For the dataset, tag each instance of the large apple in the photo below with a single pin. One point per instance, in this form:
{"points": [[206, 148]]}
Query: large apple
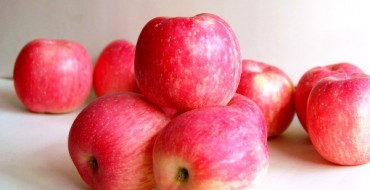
{"points": [[114, 69], [53, 76], [272, 90], [216, 147], [310, 78], [188, 62], [338, 118], [111, 141]]}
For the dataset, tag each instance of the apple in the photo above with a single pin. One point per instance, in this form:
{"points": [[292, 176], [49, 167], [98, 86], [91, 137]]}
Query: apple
{"points": [[272, 90], [188, 62], [111, 141], [308, 81], [214, 147], [338, 117], [53, 76], [114, 69]]}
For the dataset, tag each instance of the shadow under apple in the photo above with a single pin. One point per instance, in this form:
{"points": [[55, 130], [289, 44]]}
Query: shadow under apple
{"points": [[295, 144], [50, 167]]}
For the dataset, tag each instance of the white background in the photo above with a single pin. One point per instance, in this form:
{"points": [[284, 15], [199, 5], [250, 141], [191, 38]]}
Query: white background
{"points": [[294, 35]]}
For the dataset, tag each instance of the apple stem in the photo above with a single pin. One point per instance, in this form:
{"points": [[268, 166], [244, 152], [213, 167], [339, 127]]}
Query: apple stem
{"points": [[182, 175]]}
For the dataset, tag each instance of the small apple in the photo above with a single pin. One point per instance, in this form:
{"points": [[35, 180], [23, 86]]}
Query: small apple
{"points": [[111, 141], [272, 90], [188, 62], [215, 147], [338, 117], [52, 76], [308, 81], [114, 69]]}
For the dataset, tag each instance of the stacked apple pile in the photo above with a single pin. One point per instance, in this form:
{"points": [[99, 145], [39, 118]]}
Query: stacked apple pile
{"points": [[188, 130]]}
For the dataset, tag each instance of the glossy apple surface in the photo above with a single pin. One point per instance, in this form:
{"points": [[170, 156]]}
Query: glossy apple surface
{"points": [[310, 78], [338, 118], [114, 69], [188, 62], [111, 141], [272, 90], [52, 76], [217, 147]]}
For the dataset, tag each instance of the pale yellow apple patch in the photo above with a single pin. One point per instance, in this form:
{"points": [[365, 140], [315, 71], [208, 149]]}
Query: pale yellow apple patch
{"points": [[167, 167]]}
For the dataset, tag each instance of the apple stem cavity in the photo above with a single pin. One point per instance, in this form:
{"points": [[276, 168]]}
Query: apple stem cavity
{"points": [[93, 164], [182, 175]]}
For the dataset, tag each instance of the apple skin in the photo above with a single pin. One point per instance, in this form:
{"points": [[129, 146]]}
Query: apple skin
{"points": [[114, 69], [272, 90], [338, 117], [216, 147], [52, 76], [111, 141], [188, 62], [310, 78]]}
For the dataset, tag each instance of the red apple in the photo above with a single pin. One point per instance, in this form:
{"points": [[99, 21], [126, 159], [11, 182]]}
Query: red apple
{"points": [[272, 90], [111, 141], [338, 117], [188, 62], [310, 78], [114, 69], [215, 147], [53, 76]]}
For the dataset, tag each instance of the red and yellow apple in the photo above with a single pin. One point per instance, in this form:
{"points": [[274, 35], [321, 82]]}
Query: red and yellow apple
{"points": [[272, 90], [188, 62], [114, 69], [111, 141], [338, 118], [215, 147], [53, 76]]}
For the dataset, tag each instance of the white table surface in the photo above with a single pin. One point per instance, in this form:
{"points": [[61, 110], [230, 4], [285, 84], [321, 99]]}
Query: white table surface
{"points": [[34, 154]]}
